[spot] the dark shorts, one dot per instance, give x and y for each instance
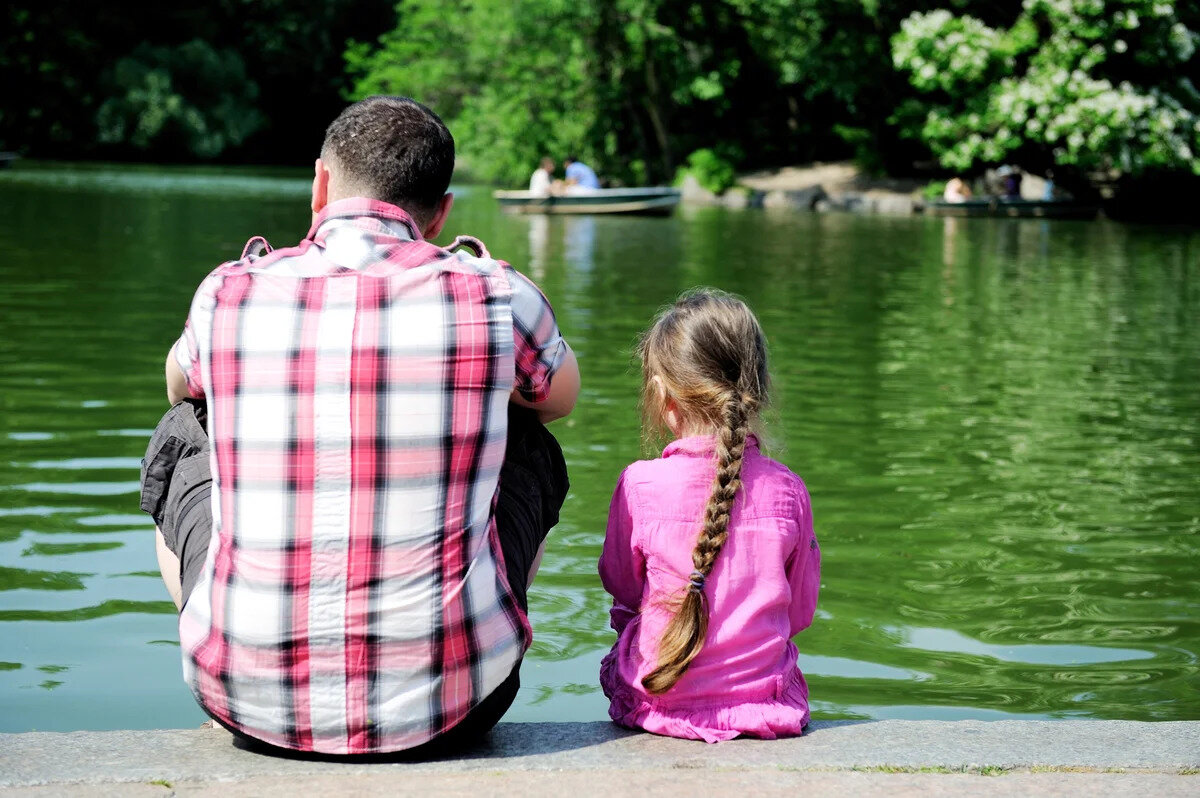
(177, 488)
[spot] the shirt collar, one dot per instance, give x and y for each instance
(701, 446)
(380, 219)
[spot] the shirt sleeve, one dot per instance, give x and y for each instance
(539, 347)
(196, 328)
(803, 568)
(622, 565)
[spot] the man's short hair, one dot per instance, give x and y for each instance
(392, 149)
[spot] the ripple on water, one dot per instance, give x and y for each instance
(932, 639)
(80, 488)
(31, 436)
(86, 463)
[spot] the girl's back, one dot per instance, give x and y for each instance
(709, 555)
(762, 590)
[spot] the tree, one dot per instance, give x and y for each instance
(62, 61)
(185, 100)
(1080, 86)
(509, 78)
(635, 85)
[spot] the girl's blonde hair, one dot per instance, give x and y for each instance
(710, 353)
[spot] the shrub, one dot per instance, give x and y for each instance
(712, 172)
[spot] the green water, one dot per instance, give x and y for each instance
(998, 421)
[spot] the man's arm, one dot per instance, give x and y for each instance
(564, 390)
(177, 388)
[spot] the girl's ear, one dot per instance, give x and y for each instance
(670, 410)
(660, 388)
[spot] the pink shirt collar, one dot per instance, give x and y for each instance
(701, 445)
(371, 215)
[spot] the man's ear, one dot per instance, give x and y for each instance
(320, 187)
(438, 220)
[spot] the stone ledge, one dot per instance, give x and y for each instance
(200, 756)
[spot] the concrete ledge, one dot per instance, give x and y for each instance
(518, 757)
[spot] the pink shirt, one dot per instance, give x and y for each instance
(762, 591)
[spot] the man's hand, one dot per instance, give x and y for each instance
(177, 388)
(564, 390)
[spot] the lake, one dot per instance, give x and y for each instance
(998, 421)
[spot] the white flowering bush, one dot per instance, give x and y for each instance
(1084, 84)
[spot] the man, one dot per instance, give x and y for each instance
(580, 175)
(357, 583)
(542, 180)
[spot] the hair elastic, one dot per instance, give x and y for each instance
(696, 581)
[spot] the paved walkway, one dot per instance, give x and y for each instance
(580, 759)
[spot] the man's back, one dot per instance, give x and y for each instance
(582, 175)
(357, 388)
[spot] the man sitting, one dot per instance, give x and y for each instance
(579, 176)
(351, 557)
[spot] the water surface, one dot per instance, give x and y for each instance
(998, 421)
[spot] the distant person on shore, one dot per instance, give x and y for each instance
(579, 175)
(709, 555)
(541, 183)
(353, 486)
(1048, 189)
(956, 190)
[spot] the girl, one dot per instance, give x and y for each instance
(710, 555)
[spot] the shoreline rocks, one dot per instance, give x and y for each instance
(799, 189)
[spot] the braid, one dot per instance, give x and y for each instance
(731, 446)
(684, 636)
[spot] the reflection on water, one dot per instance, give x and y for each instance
(574, 245)
(997, 420)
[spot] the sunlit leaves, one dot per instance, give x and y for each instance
(1094, 85)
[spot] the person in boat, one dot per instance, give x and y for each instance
(580, 177)
(352, 489)
(1010, 182)
(956, 190)
(541, 183)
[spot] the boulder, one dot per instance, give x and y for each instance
(742, 197)
(804, 199)
(695, 194)
(895, 204)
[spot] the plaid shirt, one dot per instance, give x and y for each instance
(354, 597)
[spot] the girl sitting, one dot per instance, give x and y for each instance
(710, 555)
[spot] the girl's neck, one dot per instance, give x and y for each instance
(685, 430)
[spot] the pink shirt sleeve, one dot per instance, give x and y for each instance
(198, 325)
(803, 568)
(622, 565)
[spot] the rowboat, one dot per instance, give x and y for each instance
(999, 206)
(653, 200)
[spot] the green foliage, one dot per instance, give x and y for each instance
(59, 66)
(508, 78)
(191, 99)
(712, 172)
(934, 190)
(630, 86)
(633, 85)
(1081, 85)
